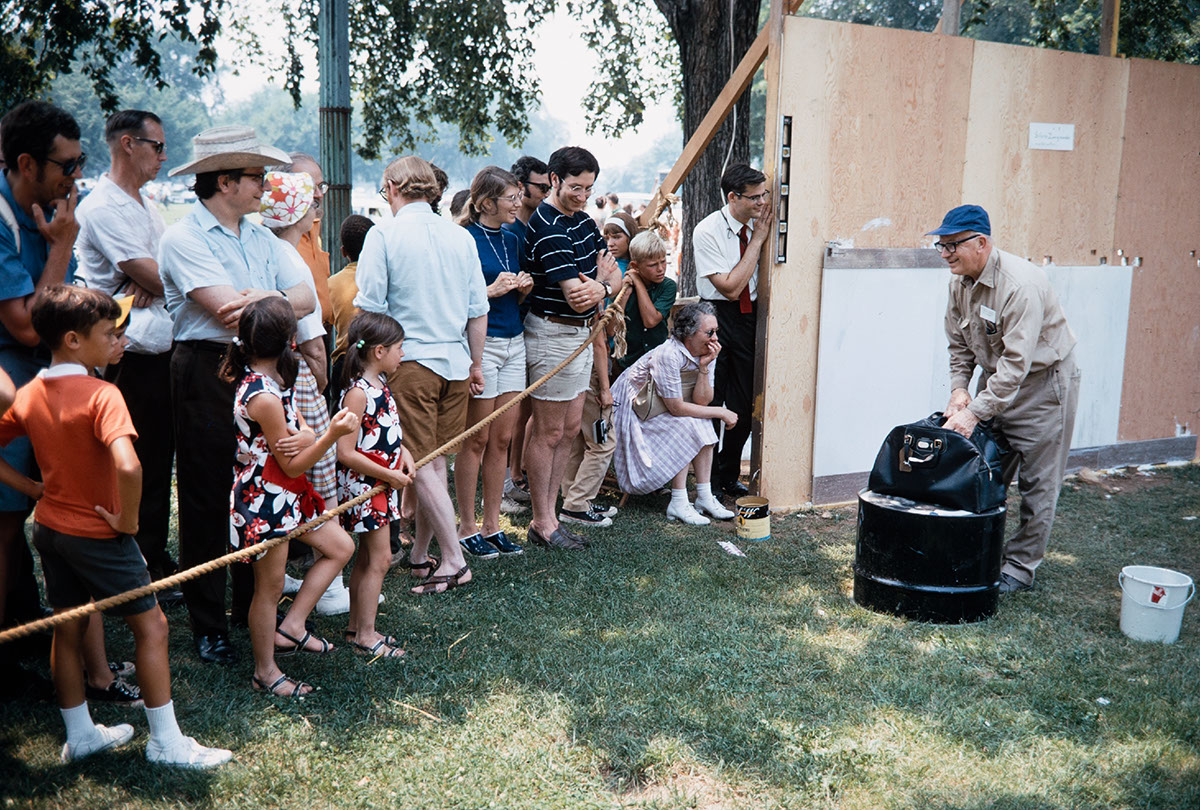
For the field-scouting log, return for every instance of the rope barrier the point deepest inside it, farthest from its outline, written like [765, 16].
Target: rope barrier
[49, 622]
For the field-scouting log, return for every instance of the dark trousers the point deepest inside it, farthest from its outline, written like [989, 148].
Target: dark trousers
[734, 384]
[204, 451]
[145, 382]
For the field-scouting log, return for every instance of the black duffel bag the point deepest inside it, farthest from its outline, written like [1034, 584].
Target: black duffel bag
[926, 462]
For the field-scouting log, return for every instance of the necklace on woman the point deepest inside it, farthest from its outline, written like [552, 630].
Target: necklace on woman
[487, 237]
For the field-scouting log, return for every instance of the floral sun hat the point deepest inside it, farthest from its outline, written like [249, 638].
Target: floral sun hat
[286, 198]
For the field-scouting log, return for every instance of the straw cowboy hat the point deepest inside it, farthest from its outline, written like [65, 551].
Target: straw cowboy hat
[222, 148]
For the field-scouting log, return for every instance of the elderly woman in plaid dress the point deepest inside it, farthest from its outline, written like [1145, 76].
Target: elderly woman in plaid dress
[657, 445]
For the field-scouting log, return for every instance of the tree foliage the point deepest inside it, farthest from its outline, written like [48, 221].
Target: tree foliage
[42, 39]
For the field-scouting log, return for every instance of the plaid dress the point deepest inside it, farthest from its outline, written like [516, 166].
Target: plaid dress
[311, 406]
[650, 453]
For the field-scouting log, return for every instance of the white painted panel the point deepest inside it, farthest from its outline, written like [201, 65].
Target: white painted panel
[882, 358]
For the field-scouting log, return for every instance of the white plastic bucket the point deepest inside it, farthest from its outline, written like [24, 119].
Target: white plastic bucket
[1152, 602]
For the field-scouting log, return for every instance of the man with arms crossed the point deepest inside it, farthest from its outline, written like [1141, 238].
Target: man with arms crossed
[727, 244]
[1004, 317]
[572, 273]
[214, 263]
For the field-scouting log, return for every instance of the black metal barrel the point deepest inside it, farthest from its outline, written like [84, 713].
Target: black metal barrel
[925, 562]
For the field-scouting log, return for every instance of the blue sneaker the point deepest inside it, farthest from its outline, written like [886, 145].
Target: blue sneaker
[503, 544]
[476, 546]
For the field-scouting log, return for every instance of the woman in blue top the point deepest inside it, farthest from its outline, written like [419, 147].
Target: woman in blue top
[495, 198]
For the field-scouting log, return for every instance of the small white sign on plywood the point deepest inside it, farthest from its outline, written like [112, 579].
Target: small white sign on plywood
[1056, 137]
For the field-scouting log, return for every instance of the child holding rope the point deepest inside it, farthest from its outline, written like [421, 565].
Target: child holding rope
[86, 517]
[271, 495]
[374, 456]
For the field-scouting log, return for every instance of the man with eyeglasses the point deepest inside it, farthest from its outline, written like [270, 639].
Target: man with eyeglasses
[43, 159]
[534, 177]
[726, 246]
[119, 232]
[214, 263]
[573, 273]
[1004, 317]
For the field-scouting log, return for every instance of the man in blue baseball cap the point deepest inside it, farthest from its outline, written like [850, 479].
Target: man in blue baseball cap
[1004, 317]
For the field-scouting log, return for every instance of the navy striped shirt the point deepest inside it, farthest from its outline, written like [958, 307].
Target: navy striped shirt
[558, 247]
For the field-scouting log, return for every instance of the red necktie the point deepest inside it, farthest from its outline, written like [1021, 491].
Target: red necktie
[744, 299]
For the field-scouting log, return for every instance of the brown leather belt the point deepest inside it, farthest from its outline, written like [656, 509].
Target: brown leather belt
[564, 321]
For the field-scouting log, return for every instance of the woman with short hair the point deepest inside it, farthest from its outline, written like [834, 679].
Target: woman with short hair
[663, 419]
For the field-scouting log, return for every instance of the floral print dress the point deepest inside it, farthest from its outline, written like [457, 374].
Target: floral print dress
[264, 503]
[379, 439]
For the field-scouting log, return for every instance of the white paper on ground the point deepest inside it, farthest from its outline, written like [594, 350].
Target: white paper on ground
[730, 548]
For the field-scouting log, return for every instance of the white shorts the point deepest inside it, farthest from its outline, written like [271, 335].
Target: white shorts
[546, 345]
[503, 366]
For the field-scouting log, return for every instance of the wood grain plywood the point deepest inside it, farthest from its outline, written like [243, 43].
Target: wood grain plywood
[1158, 219]
[1046, 203]
[868, 144]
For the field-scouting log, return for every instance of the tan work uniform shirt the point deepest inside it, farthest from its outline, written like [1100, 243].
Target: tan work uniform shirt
[1010, 323]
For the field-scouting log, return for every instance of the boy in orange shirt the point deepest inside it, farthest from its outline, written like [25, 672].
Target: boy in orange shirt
[86, 517]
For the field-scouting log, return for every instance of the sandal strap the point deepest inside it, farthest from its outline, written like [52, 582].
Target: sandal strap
[449, 580]
[273, 688]
[431, 563]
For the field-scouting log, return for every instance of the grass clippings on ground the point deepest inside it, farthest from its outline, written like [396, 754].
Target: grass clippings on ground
[657, 671]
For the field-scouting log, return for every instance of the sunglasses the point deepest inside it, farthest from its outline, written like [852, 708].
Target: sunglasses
[159, 146]
[69, 167]
[542, 187]
[710, 332]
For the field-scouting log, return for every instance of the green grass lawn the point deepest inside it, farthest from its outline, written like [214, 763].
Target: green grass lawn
[655, 671]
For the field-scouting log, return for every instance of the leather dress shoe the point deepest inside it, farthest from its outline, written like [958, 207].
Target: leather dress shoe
[1010, 584]
[735, 489]
[215, 649]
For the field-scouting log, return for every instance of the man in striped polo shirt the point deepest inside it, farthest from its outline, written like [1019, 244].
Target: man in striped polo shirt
[572, 274]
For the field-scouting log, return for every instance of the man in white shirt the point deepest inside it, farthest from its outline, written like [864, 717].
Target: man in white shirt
[726, 246]
[119, 231]
[424, 271]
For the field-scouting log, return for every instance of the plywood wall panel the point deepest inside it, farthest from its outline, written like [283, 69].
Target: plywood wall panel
[1158, 220]
[872, 162]
[1060, 204]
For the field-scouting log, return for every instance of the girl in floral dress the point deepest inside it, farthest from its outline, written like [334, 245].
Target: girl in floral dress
[271, 495]
[374, 456]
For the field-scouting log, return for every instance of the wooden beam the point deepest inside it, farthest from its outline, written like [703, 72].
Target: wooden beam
[739, 80]
[1110, 23]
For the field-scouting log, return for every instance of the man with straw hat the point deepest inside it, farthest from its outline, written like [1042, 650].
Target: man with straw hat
[215, 262]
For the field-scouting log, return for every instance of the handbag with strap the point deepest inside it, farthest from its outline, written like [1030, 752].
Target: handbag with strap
[926, 462]
[648, 404]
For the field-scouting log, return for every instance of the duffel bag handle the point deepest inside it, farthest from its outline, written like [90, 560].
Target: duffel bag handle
[931, 448]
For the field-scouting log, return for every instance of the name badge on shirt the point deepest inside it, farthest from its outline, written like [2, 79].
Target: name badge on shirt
[987, 313]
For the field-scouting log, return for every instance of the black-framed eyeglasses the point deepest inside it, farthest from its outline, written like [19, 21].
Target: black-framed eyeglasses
[711, 332]
[260, 178]
[542, 187]
[952, 247]
[159, 146]
[755, 198]
[69, 167]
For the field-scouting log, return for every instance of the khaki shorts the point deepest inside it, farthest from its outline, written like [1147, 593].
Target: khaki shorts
[503, 366]
[546, 345]
[432, 410]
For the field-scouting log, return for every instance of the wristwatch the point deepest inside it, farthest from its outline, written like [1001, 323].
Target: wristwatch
[607, 289]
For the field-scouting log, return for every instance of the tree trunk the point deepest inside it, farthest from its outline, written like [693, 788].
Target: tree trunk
[702, 29]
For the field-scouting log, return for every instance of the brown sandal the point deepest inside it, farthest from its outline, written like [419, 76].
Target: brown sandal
[429, 566]
[430, 583]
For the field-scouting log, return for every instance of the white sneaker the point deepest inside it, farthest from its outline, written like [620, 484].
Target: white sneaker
[713, 509]
[686, 514]
[291, 584]
[104, 738]
[185, 752]
[510, 507]
[336, 599]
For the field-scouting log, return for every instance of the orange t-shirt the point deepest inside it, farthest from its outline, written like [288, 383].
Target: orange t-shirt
[71, 419]
[317, 260]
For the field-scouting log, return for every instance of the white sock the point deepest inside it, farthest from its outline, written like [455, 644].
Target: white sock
[336, 585]
[163, 726]
[704, 492]
[79, 723]
[679, 497]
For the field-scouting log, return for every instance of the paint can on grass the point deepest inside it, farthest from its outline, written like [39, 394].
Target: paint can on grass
[1152, 602]
[753, 518]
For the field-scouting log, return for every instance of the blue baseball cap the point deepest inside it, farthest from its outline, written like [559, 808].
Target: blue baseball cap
[964, 218]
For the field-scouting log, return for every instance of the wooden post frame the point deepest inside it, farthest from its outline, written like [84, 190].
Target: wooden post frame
[1110, 23]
